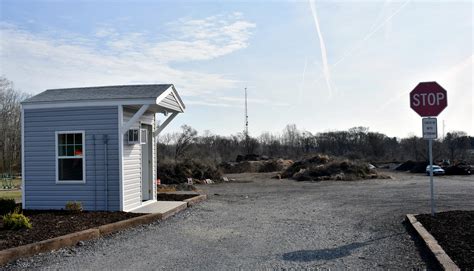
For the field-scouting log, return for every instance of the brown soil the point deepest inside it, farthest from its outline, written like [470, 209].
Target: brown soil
[50, 224]
[454, 231]
[174, 197]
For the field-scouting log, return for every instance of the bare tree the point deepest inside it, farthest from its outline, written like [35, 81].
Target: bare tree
[10, 126]
[184, 141]
[457, 144]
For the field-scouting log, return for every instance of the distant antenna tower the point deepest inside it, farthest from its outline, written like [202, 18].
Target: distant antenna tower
[246, 115]
[444, 126]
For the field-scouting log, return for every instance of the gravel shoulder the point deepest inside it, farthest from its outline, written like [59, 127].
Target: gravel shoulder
[257, 222]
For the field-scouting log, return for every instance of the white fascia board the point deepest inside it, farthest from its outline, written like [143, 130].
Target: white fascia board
[88, 103]
[175, 95]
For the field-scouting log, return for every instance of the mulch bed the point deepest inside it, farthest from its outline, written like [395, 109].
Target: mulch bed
[454, 231]
[174, 197]
[50, 224]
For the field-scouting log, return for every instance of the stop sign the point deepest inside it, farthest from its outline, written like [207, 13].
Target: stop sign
[428, 99]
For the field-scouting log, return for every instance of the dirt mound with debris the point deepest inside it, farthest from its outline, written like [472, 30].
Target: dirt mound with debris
[179, 172]
[272, 165]
[322, 167]
[413, 166]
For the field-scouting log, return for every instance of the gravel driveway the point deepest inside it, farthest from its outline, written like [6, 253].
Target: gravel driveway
[258, 222]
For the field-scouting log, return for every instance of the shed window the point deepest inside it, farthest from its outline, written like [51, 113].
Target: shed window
[70, 156]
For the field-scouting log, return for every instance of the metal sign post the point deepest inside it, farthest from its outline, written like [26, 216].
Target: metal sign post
[428, 99]
[430, 132]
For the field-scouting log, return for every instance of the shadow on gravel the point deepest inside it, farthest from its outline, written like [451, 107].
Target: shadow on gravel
[329, 253]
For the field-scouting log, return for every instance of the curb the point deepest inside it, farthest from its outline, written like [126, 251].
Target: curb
[8, 255]
[68, 240]
[441, 257]
[195, 200]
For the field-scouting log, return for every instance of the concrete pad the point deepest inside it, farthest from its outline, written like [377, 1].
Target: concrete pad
[161, 207]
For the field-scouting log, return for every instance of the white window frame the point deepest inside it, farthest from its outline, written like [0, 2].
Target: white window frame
[139, 140]
[83, 157]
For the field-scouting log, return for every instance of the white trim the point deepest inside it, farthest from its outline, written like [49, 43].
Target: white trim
[171, 90]
[85, 103]
[175, 93]
[57, 157]
[124, 128]
[120, 146]
[163, 95]
[165, 123]
[23, 203]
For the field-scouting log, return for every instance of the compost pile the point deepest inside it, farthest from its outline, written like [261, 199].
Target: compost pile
[245, 166]
[179, 172]
[323, 167]
[412, 166]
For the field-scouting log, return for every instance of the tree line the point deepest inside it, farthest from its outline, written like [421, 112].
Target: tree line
[291, 143]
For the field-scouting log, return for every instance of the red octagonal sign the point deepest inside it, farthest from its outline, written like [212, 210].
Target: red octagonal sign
[428, 99]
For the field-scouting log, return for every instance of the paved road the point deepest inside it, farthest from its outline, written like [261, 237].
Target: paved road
[268, 223]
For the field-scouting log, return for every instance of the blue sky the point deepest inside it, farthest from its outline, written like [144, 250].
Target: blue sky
[356, 71]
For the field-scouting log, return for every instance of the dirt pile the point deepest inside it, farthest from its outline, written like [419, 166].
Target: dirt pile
[178, 173]
[272, 165]
[322, 167]
[412, 166]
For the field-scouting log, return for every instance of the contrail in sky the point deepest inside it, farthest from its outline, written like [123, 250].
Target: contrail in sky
[324, 56]
[369, 35]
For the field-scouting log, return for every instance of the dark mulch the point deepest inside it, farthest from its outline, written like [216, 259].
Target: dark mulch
[174, 197]
[454, 231]
[50, 224]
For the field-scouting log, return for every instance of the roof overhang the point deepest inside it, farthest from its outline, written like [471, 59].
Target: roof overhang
[156, 104]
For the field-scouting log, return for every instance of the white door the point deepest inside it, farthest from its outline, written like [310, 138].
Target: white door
[147, 174]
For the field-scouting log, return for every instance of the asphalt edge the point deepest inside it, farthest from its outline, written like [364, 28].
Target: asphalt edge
[440, 255]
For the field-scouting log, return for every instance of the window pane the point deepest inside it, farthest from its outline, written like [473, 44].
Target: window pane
[77, 150]
[135, 135]
[70, 169]
[130, 135]
[70, 150]
[77, 139]
[69, 139]
[61, 139]
[62, 150]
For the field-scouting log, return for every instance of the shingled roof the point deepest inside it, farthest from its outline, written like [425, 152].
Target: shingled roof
[164, 94]
[100, 93]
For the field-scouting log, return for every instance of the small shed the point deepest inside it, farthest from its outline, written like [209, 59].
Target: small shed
[94, 145]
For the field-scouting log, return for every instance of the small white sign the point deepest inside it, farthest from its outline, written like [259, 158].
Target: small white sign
[430, 128]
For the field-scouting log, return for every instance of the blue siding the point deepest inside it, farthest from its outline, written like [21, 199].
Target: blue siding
[41, 190]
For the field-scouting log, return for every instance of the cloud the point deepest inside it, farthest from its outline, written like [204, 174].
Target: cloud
[51, 59]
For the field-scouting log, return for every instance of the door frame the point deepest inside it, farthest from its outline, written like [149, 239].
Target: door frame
[149, 165]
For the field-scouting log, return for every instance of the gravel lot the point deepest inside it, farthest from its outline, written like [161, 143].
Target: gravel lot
[258, 222]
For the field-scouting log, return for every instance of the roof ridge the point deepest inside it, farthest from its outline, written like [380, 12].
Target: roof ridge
[112, 86]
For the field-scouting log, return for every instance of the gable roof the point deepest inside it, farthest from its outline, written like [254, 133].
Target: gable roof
[141, 94]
